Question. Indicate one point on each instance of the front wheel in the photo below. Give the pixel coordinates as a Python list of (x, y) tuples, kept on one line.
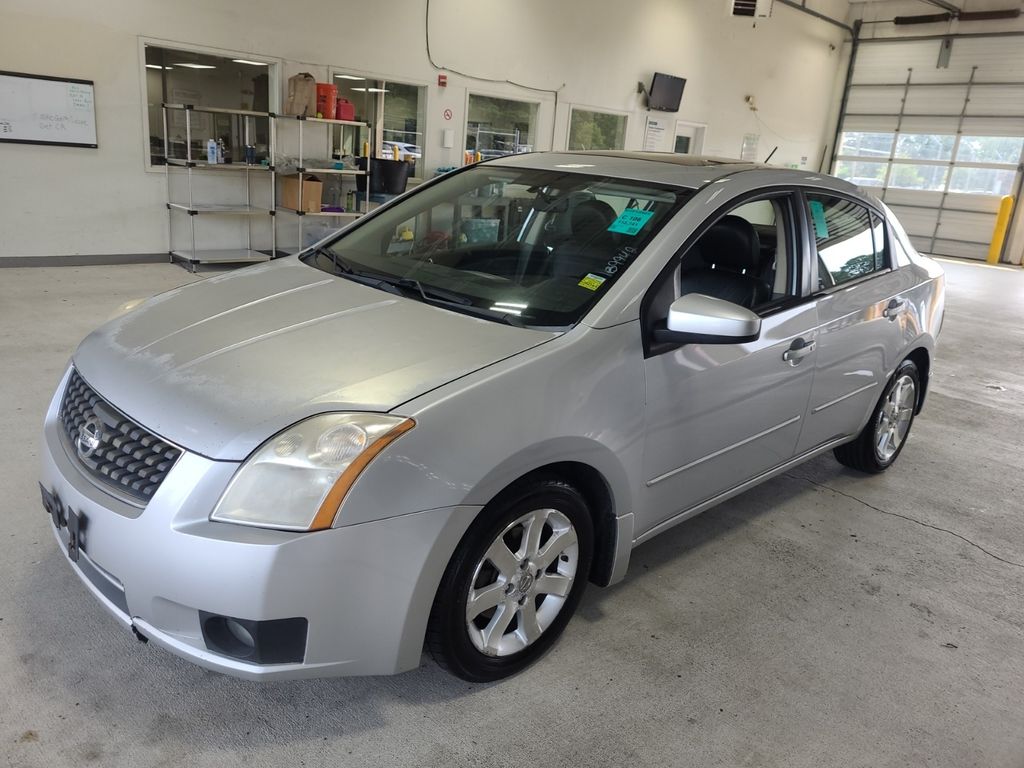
[(885, 434), (514, 582)]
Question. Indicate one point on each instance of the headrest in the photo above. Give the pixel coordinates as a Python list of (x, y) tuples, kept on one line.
[(591, 217), (732, 242)]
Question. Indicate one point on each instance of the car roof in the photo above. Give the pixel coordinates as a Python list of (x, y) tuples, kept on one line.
[(688, 171)]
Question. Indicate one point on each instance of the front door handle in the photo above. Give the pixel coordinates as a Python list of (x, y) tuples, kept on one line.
[(797, 351), (894, 308)]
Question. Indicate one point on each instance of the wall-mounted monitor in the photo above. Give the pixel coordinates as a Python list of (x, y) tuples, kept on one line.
[(666, 92)]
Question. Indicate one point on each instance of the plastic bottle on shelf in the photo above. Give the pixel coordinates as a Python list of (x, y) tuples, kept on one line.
[(211, 152)]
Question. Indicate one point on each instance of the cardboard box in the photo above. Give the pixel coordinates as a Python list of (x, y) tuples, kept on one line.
[(312, 190)]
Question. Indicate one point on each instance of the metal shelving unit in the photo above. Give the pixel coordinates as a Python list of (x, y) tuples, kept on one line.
[(362, 199), (191, 254)]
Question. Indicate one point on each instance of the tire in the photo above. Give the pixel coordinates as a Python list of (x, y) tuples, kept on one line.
[(881, 441), (526, 619)]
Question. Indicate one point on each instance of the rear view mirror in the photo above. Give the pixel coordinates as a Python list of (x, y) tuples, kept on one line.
[(696, 318)]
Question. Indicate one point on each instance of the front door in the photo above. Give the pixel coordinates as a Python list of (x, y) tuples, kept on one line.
[(718, 415)]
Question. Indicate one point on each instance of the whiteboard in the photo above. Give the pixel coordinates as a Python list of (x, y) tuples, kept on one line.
[(36, 109)]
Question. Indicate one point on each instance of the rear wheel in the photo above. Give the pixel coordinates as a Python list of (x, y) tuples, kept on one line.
[(885, 434), (514, 582)]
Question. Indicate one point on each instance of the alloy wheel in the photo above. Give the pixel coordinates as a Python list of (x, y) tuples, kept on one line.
[(894, 418), (521, 583)]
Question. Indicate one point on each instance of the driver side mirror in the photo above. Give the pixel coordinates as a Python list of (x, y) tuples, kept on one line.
[(696, 318)]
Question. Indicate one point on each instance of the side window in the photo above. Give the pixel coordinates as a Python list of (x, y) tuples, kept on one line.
[(745, 256), (846, 240)]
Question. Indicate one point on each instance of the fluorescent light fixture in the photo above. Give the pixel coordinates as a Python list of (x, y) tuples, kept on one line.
[(349, 77), (252, 63), (510, 304), (506, 310), (153, 66), (194, 66), (376, 90), (361, 90)]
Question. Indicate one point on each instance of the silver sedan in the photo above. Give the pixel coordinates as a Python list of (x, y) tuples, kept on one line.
[(436, 427)]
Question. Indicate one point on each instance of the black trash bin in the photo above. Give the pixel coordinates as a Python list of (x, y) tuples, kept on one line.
[(387, 177)]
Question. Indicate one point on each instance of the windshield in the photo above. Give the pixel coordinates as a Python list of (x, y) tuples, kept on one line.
[(516, 245)]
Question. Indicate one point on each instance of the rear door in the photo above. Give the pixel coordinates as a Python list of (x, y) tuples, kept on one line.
[(862, 314)]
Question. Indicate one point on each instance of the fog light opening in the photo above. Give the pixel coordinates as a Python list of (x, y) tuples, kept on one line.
[(229, 636), (240, 633), (273, 641)]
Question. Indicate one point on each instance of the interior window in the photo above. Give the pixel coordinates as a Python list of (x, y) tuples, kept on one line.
[(201, 79), (496, 127), (843, 236)]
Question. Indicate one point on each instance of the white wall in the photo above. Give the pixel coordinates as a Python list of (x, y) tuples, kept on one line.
[(70, 201)]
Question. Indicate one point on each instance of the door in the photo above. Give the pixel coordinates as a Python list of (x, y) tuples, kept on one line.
[(718, 415), (689, 139), (861, 314)]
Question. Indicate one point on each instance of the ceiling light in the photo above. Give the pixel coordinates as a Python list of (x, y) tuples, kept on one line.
[(153, 66), (194, 66), (252, 63), (349, 77), (376, 90), (361, 90)]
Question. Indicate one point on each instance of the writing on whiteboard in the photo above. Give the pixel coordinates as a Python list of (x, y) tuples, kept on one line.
[(43, 110)]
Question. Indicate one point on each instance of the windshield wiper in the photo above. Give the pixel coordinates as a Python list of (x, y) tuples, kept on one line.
[(454, 301), (430, 293), (403, 286)]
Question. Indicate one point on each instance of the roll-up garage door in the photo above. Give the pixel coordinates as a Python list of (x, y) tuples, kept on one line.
[(938, 134)]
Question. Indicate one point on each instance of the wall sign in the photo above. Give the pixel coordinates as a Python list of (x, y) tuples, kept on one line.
[(448, 114), (38, 109)]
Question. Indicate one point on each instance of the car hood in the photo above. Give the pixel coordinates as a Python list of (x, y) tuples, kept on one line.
[(221, 365)]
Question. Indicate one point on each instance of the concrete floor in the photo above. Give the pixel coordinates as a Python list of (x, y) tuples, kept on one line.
[(825, 618)]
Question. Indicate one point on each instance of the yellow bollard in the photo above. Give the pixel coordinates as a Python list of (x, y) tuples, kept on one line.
[(478, 157), (366, 149), (999, 233), (394, 151)]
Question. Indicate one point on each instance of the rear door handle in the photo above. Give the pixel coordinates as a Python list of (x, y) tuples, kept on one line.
[(797, 351), (895, 307)]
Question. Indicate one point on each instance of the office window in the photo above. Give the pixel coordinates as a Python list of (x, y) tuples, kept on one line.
[(396, 112), (188, 77), (497, 127), (597, 130)]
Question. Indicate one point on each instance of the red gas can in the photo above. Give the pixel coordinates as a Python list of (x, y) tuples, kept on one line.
[(326, 99), (346, 110)]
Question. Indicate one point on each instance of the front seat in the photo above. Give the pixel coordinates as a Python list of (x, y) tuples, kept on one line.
[(730, 253), (589, 246)]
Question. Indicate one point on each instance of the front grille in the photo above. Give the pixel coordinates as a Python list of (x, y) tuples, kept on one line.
[(127, 458)]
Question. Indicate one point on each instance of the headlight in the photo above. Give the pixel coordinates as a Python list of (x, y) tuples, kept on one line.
[(298, 479)]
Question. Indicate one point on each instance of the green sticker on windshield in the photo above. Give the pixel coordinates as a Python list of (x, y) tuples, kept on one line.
[(630, 221), (818, 214)]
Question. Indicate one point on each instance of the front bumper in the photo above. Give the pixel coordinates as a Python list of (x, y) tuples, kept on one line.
[(366, 590)]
